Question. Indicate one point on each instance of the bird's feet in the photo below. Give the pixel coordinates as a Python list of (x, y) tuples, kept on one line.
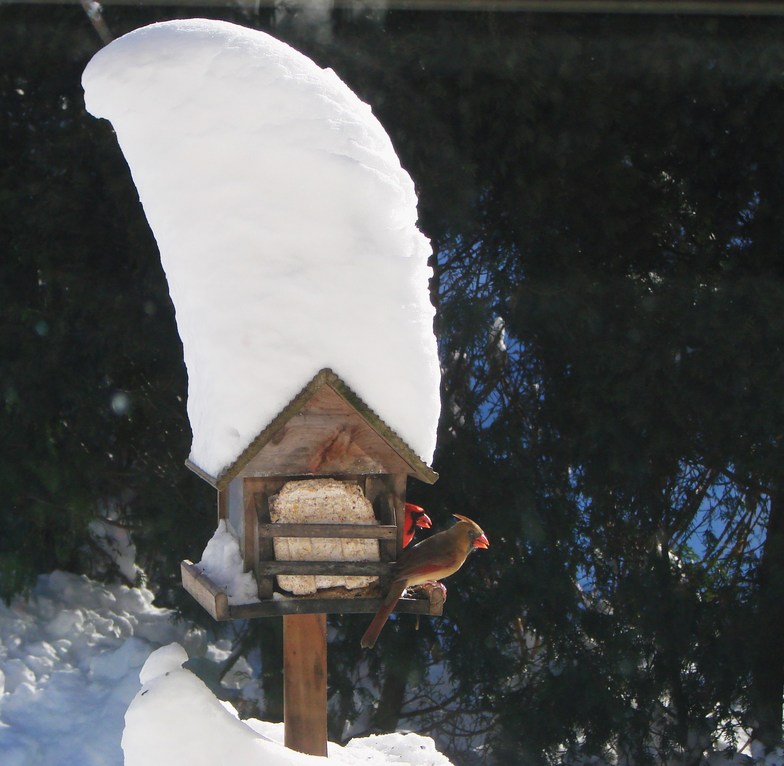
[(427, 587), (437, 586)]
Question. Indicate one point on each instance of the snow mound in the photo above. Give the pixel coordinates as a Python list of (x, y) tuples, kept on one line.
[(70, 656), (397, 748), (286, 228), (176, 721), (162, 662)]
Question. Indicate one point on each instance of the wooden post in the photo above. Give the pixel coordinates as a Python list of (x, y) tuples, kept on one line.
[(305, 683)]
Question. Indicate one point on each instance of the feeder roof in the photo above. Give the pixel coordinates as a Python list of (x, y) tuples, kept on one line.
[(324, 380)]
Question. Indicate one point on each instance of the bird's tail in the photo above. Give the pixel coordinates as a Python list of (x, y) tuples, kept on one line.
[(382, 615)]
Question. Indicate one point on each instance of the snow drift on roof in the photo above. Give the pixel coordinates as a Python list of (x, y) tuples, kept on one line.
[(286, 228)]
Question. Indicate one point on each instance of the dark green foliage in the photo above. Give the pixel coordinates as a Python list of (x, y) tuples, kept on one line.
[(92, 380), (609, 191), (602, 193)]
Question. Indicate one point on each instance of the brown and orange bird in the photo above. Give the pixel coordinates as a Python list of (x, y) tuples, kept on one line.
[(433, 559), (415, 517)]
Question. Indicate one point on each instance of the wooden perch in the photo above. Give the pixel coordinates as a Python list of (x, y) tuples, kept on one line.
[(205, 591), (215, 601)]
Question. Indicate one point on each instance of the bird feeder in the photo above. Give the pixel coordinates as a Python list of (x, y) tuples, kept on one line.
[(318, 503), (317, 500)]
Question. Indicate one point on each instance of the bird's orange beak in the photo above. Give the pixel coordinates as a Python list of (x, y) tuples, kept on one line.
[(479, 542)]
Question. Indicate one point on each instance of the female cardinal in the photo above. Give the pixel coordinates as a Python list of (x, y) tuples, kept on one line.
[(434, 558), (415, 517)]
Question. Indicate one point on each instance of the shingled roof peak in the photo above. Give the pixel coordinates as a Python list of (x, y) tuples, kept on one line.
[(324, 377)]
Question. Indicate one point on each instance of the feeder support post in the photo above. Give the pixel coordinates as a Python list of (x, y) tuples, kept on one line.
[(305, 683)]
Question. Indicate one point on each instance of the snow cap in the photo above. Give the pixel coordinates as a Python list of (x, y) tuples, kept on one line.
[(286, 228), (163, 660)]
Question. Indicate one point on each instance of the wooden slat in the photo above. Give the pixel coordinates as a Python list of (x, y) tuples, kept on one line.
[(387, 494), (335, 568), (397, 502), (305, 683), (223, 504), (216, 603), (205, 591), (257, 492), (350, 531), (421, 606), (249, 542)]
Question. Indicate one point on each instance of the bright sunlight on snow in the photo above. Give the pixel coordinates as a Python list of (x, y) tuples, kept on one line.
[(76, 655), (176, 721), (286, 228)]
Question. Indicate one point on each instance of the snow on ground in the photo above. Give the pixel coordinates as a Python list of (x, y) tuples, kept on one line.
[(76, 654), (176, 721), (69, 662), (286, 227)]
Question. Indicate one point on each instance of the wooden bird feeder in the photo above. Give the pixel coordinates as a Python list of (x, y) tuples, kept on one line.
[(318, 503)]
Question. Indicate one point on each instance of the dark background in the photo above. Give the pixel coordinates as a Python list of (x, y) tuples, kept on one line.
[(609, 189)]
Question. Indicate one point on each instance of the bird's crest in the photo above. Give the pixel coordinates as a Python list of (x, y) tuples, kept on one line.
[(480, 538)]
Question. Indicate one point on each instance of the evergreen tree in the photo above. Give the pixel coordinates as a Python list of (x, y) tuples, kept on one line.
[(603, 196)]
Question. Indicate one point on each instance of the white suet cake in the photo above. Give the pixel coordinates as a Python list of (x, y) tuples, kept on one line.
[(322, 501)]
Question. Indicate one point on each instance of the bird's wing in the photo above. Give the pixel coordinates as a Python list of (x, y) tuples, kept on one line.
[(427, 564)]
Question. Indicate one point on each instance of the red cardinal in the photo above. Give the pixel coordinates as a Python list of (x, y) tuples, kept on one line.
[(433, 559), (415, 517)]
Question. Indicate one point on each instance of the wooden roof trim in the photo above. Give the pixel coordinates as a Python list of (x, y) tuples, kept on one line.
[(202, 474), (419, 468), (323, 377)]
